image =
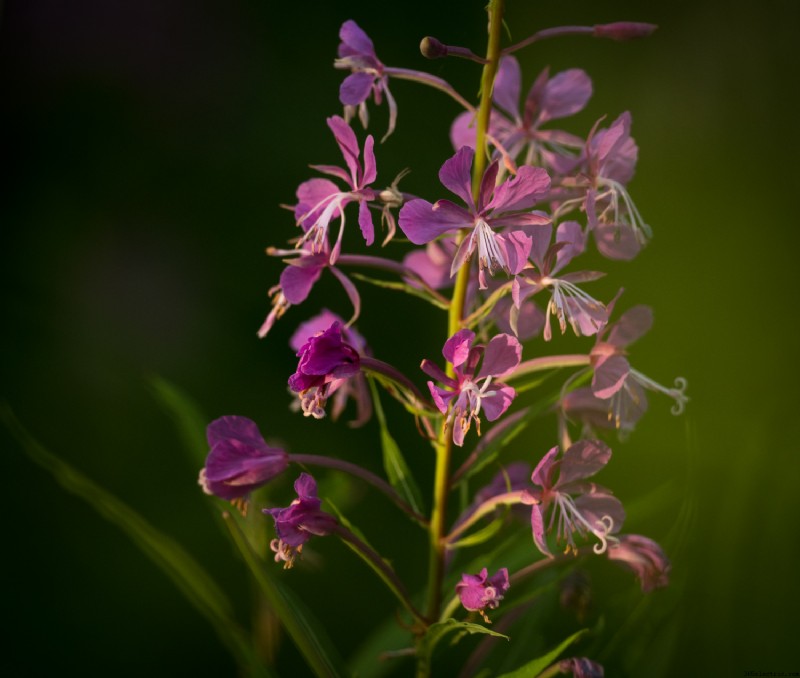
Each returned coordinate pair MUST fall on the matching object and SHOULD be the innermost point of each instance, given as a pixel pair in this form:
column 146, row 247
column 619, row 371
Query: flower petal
column 421, row 223
column 502, row 355
column 365, row 222
column 522, row 192
column 582, row 460
column 456, row 348
column 565, row 94
column 507, row 86
column 355, row 88
column 456, row 174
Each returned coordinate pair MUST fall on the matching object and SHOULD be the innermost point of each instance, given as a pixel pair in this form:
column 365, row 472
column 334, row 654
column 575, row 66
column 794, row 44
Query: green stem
column 444, row 445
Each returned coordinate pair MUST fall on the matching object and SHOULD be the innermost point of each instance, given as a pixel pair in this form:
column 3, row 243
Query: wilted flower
column 644, row 557
column 296, row 523
column 592, row 509
column 326, row 361
column 239, row 461
column 581, row 667
column 472, row 389
column 477, row 592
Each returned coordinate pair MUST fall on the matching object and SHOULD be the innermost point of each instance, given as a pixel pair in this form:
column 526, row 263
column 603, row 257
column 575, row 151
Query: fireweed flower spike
column 472, row 389
column 644, row 557
column 564, row 94
column 594, row 510
column 498, row 207
column 479, row 591
column 326, row 361
column 239, row 461
column 320, row 200
column 299, row 521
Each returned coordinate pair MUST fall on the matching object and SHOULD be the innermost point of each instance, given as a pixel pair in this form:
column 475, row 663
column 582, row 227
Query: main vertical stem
column 444, row 445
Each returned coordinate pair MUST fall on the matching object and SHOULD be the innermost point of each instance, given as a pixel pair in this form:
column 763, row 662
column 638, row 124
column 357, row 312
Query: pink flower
column 645, row 558
column 473, row 389
column 478, row 591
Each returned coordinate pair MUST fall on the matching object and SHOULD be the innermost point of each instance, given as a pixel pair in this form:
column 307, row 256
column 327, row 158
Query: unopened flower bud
column 431, row 48
column 624, row 30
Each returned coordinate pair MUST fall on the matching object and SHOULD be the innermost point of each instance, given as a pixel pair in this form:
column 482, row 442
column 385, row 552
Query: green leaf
column 436, row 632
column 404, row 287
column 479, row 537
column 192, row 580
column 536, row 666
column 304, row 629
column 190, row 422
column 394, row 463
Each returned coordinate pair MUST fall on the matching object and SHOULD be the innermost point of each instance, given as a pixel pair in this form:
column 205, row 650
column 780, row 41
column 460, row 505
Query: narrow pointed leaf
column 436, row 632
column 190, row 578
column 479, row 537
column 190, row 422
column 306, row 632
column 405, row 287
column 394, row 463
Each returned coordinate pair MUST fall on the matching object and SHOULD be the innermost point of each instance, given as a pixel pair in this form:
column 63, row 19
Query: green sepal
column 536, row 666
column 404, row 287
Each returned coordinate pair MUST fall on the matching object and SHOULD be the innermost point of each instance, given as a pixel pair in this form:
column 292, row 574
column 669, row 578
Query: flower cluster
column 501, row 256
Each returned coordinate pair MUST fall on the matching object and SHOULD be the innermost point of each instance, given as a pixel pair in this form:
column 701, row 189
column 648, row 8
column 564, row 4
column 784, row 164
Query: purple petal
column 517, row 248
column 312, row 327
column 456, row 348
column 616, row 241
column 421, row 223
column 462, row 131
column 352, row 294
column 441, row 397
column 297, row 279
column 522, row 192
column 309, row 196
column 595, row 506
column 235, row 427
column 540, row 243
column 355, row 40
column 365, row 222
column 610, row 373
column 545, row 469
column 305, row 486
column 631, row 325
column 621, row 164
column 507, row 86
column 582, row 460
column 348, row 144
column 495, row 405
column 432, row 265
column 487, row 187
column 537, row 527
column 503, row 354
column 566, row 93
column 370, row 168
column 355, row 88
column 456, row 175
column 571, row 235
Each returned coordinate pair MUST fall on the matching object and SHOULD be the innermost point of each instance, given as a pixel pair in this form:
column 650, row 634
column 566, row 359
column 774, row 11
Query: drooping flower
column 568, row 302
column 473, row 389
column 516, row 130
column 498, row 207
column 354, row 387
column 644, row 557
column 299, row 277
column 615, row 381
column 239, row 460
column 326, row 361
column 319, row 200
column 356, row 53
column 575, row 506
column 299, row 521
column 478, row 592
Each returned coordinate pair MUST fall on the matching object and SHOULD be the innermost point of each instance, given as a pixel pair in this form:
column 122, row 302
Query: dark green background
column 147, row 148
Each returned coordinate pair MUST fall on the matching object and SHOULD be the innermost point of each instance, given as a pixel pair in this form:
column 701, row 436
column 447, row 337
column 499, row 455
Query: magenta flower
column 326, row 361
column 354, row 387
column 614, row 379
column 299, row 277
column 592, row 509
column 611, row 154
column 568, row 302
column 478, row 591
column 564, row 94
column 239, row 461
column 473, row 389
column 498, row 207
column 319, row 201
column 296, row 523
column 356, row 53
column 645, row 558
